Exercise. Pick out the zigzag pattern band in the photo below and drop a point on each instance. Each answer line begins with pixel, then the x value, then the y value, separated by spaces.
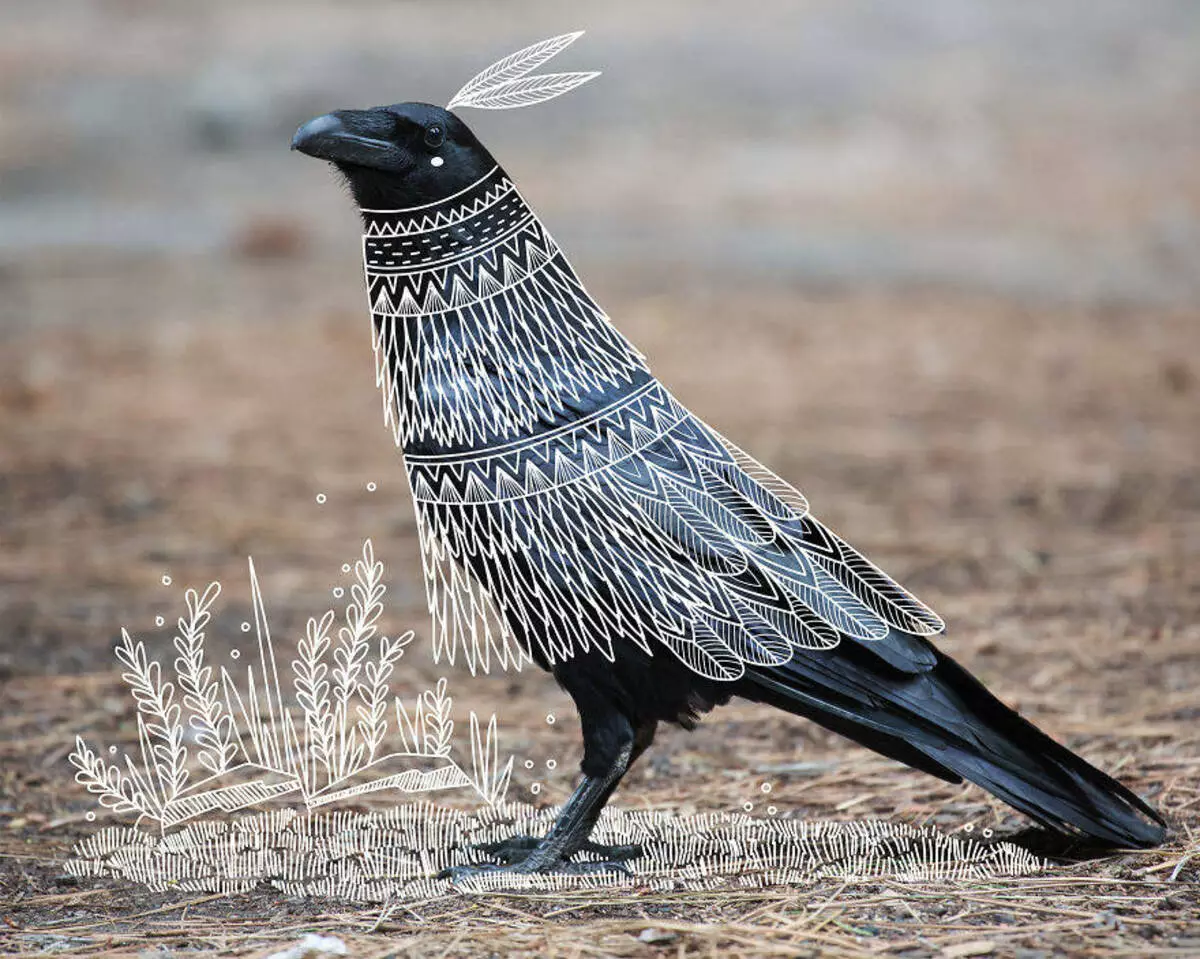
pixel 539 464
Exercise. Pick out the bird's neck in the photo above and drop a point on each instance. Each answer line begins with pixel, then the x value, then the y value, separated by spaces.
pixel 483 332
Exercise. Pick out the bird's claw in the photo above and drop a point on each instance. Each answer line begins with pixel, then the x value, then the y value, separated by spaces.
pixel 458 875
pixel 519 855
pixel 617 853
pixel 517 849
pixel 511 850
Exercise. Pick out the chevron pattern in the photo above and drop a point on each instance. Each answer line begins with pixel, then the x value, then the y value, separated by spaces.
pixel 482 329
pixel 565 500
pixel 543 462
pixel 476 200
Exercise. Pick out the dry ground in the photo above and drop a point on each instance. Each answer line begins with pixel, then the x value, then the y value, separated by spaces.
pixel 1030 472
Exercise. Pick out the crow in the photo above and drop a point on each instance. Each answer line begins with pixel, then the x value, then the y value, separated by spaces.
pixel 574 514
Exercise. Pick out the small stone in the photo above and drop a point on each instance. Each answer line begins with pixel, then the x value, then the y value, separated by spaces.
pixel 313 946
pixel 974 947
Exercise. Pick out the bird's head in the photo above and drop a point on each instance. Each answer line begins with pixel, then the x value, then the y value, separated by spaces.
pixel 403 155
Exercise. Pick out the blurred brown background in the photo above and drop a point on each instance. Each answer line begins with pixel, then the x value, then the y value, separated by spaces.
pixel 938 263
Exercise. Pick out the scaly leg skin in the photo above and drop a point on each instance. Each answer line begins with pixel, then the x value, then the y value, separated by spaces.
pixel 522 855
pixel 517 848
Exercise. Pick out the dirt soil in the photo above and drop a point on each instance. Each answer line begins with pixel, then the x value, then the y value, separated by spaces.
pixel 941 274
pixel 1031 474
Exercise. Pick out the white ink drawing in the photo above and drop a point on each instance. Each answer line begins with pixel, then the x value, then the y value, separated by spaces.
pixel 400 854
pixel 506 84
pixel 211 750
pixel 622 488
pixel 573 513
pixel 251 746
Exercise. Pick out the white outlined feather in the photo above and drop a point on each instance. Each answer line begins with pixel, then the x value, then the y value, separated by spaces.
pixel 506 85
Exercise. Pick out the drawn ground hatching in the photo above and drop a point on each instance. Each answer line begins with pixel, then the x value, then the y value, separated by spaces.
pixel 212 747
pixel 395 855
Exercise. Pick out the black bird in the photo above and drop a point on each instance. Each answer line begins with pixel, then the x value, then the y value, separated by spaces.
pixel 573 513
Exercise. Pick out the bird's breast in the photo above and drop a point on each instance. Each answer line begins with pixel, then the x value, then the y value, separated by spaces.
pixel 535 464
pixel 483 332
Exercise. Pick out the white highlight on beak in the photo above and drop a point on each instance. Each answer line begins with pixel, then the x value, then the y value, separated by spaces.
pixel 436 161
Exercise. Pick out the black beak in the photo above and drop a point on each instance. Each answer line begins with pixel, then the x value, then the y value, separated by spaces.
pixel 343 137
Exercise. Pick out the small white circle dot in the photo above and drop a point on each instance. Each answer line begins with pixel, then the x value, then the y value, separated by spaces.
pixel 320 497
pixel 158 621
pixel 551 764
pixel 345 567
pixel 766 787
pixel 748 806
pixel 371 487
pixel 987 834
pixel 969 827
pixel 245 627
pixel 535 788
pixel 771 810
pixel 528 763
pixel 166 580
pixel 90 817
pixel 338 592
pixel 235 653
pixel 436 161
pixel 550 718
pixel 112 750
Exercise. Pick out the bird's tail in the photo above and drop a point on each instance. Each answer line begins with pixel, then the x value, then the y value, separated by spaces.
pixel 943 721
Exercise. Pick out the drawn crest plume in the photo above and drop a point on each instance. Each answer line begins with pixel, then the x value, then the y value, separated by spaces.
pixel 506 84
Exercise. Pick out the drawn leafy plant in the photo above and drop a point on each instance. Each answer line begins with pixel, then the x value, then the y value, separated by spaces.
pixel 158 715
pixel 354 639
pixel 210 719
pixel 372 711
pixel 439 727
pixel 114 790
pixel 342 691
pixel 310 674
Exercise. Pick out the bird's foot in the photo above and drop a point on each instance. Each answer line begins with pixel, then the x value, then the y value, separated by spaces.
pixel 517 849
pixel 559 867
pixel 529 855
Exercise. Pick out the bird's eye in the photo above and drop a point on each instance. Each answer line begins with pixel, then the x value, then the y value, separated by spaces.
pixel 435 135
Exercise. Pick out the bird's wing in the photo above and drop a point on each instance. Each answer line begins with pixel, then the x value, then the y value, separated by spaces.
pixel 647 527
pixel 782 580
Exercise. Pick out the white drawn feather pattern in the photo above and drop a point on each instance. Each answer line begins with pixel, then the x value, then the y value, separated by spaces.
pixel 632 523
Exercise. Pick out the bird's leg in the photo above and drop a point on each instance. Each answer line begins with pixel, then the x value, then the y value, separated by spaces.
pixel 609 750
pixel 643 737
pixel 518 848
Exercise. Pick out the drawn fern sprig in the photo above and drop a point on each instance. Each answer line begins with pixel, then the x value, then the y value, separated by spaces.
pixel 155 699
pixel 372 712
pixel 312 692
pixel 362 613
pixel 112 789
pixel 209 718
pixel 506 84
pixel 439 726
